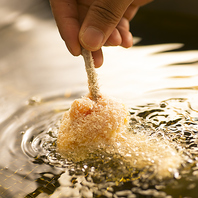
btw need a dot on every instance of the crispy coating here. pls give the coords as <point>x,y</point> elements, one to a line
<point>88,124</point>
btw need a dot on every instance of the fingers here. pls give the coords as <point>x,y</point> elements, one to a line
<point>114,39</point>
<point>121,35</point>
<point>123,28</point>
<point>98,58</point>
<point>94,23</point>
<point>102,18</point>
<point>67,19</point>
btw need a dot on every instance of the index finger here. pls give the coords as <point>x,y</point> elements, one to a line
<point>66,15</point>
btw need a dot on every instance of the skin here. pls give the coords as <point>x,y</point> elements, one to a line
<point>95,23</point>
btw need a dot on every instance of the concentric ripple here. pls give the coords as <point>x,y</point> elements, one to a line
<point>31,166</point>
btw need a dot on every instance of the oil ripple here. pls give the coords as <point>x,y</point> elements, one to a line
<point>31,166</point>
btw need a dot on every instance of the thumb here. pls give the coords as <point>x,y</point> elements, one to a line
<point>100,21</point>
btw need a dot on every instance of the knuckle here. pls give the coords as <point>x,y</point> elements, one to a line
<point>106,14</point>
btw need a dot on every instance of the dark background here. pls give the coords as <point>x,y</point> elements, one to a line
<point>167,21</point>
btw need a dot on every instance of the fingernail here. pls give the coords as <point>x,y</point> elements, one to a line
<point>92,38</point>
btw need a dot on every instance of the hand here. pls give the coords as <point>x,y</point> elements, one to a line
<point>94,23</point>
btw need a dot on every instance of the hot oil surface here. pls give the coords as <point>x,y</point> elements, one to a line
<point>31,166</point>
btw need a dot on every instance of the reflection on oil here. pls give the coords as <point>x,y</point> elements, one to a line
<point>31,167</point>
<point>145,69</point>
<point>168,109</point>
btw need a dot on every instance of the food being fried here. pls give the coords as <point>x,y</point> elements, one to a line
<point>98,122</point>
<point>90,124</point>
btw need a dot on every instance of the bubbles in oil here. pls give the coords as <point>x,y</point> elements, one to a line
<point>33,168</point>
<point>102,174</point>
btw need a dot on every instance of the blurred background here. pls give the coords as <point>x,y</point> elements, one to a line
<point>34,60</point>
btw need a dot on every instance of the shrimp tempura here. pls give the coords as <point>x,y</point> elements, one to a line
<point>90,124</point>
<point>97,121</point>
